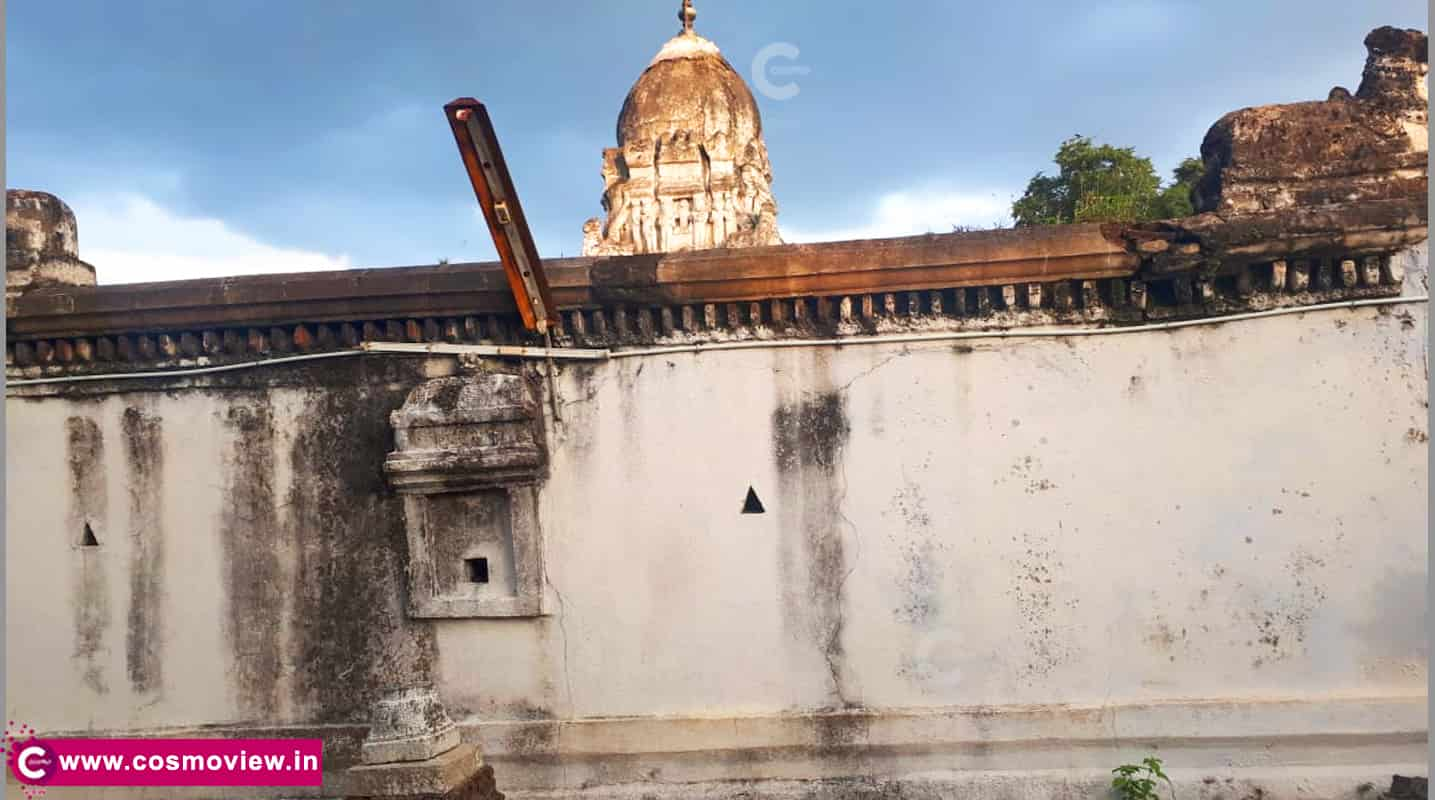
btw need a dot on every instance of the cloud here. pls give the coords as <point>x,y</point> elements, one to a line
<point>130,238</point>
<point>912,212</point>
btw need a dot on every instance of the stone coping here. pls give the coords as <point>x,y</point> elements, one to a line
<point>1206,245</point>
<point>1203,266</point>
<point>1107,302</point>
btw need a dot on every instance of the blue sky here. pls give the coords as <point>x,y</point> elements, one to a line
<point>202,138</point>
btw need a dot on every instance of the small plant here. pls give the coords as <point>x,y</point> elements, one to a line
<point>1138,781</point>
<point>995,226</point>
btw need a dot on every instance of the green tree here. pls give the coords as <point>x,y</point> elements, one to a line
<point>1102,183</point>
<point>1175,199</point>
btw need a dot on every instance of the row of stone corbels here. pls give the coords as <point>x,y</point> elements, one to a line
<point>1116,299</point>
<point>1325,274</point>
<point>266,341</point>
<point>1298,276</point>
<point>1061,296</point>
<point>643,323</point>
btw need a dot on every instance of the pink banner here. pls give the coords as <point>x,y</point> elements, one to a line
<point>168,762</point>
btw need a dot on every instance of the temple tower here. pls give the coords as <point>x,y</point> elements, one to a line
<point>690,170</point>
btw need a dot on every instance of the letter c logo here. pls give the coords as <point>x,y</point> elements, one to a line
<point>776,91</point>
<point>23,762</point>
<point>36,763</point>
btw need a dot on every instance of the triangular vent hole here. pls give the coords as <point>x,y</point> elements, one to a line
<point>752,505</point>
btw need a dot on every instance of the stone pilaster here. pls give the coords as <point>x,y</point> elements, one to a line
<point>408,725</point>
<point>413,752</point>
<point>458,774</point>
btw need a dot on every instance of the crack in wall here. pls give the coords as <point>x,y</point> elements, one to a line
<point>563,632</point>
<point>835,643</point>
<point>866,373</point>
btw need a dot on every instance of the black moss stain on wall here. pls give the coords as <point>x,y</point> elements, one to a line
<point>920,581</point>
<point>1283,621</point>
<point>812,432</point>
<point>1044,610</point>
<point>635,437</point>
<point>249,534</point>
<point>535,739</point>
<point>144,655</point>
<point>315,571</point>
<point>85,454</point>
<point>808,439</point>
<point>350,632</point>
<point>843,738</point>
<point>836,731</point>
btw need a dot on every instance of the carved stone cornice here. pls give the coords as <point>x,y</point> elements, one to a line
<point>466,432</point>
<point>1204,265</point>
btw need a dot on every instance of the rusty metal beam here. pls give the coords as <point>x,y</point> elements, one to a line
<point>493,186</point>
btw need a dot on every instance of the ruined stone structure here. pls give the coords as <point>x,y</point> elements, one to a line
<point>690,171</point>
<point>1373,145</point>
<point>975,514</point>
<point>41,247</point>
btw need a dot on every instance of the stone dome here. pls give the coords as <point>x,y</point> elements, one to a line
<point>689,87</point>
<point>690,171</point>
<point>41,245</point>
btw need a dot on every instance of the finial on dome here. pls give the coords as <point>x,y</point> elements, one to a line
<point>687,14</point>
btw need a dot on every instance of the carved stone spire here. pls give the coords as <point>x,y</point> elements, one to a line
<point>690,171</point>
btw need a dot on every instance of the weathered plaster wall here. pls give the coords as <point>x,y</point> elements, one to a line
<point>1221,529</point>
<point>1218,512</point>
<point>248,556</point>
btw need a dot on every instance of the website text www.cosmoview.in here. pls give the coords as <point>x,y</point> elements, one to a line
<point>167,762</point>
